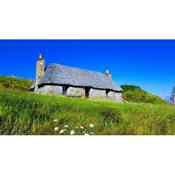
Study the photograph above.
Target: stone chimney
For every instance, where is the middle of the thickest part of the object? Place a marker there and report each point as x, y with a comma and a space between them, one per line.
108, 74
40, 68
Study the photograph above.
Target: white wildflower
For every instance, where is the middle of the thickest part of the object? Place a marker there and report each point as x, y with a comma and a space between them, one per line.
86, 134
62, 131
56, 128
72, 132
91, 133
55, 120
81, 127
91, 125
66, 126
77, 127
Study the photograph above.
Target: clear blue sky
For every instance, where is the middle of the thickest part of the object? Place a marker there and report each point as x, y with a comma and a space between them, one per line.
146, 63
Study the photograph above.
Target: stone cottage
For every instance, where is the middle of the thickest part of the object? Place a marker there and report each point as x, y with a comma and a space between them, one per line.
58, 79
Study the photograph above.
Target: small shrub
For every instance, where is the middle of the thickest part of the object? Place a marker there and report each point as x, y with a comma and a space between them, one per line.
110, 116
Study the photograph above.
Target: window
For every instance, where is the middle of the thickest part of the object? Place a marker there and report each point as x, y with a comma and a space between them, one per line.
65, 89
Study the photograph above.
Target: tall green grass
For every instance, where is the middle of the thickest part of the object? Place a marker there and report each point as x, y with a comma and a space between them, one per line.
24, 113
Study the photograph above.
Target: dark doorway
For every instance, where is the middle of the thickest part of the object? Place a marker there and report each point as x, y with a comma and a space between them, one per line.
87, 89
65, 89
107, 91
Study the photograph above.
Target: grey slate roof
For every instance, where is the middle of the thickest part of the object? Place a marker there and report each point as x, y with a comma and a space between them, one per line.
65, 75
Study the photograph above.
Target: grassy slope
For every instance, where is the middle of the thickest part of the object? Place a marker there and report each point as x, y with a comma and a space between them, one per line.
136, 94
27, 113
22, 112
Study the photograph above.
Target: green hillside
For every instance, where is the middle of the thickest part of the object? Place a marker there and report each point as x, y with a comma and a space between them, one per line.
15, 83
137, 95
26, 113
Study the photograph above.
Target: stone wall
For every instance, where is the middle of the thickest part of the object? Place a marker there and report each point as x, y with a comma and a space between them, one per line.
75, 92
115, 96
95, 93
80, 92
49, 89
